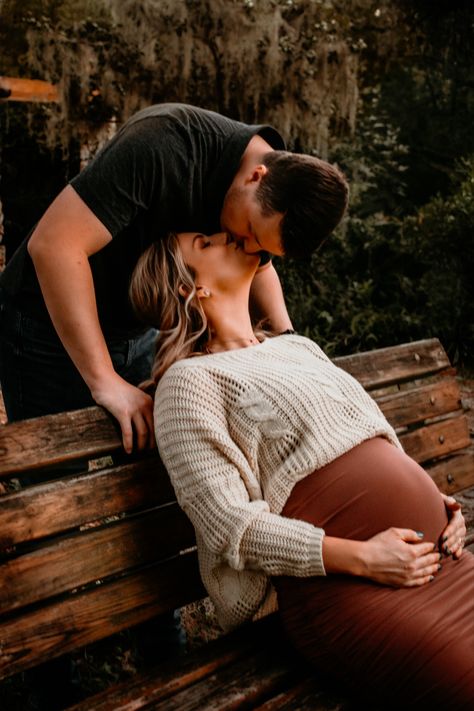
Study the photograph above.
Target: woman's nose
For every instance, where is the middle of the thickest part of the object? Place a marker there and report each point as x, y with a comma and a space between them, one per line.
221, 238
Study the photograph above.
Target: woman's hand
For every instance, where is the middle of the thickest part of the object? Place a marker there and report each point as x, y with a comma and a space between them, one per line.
397, 557
453, 536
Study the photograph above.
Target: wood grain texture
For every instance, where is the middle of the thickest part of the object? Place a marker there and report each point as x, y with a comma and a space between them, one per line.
240, 686
53, 439
93, 555
145, 690
50, 508
46, 633
409, 407
437, 439
378, 368
454, 473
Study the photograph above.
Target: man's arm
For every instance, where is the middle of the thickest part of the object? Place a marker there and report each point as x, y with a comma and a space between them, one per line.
267, 301
66, 236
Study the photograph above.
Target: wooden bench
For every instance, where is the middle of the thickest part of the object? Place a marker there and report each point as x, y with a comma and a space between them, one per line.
88, 554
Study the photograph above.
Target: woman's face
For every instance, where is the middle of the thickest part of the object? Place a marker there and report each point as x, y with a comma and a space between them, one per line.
219, 261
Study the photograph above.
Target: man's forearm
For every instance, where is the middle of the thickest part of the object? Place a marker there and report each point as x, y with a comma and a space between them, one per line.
67, 287
267, 300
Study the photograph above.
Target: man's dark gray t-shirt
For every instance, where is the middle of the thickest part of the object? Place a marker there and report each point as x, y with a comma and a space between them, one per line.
168, 168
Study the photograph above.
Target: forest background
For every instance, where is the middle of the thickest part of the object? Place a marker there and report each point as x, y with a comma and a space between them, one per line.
385, 89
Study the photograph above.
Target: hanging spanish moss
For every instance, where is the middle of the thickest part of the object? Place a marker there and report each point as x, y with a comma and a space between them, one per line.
293, 64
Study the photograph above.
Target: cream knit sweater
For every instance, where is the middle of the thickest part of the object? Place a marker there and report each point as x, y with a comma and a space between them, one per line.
236, 431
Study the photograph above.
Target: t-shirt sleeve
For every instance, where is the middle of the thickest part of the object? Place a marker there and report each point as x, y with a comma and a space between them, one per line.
210, 475
125, 176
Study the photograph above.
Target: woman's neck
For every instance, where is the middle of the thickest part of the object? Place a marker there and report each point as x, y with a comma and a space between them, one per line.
231, 328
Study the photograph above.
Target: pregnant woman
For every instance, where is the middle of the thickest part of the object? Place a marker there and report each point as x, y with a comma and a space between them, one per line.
299, 491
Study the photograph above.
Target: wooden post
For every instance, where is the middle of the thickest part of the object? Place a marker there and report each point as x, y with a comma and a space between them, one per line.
15, 89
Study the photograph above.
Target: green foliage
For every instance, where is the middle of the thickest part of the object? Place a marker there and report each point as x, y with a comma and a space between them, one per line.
384, 279
440, 237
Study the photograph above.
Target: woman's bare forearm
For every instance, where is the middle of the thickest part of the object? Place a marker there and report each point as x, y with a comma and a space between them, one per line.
396, 557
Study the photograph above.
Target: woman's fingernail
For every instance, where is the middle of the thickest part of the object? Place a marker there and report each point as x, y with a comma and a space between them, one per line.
447, 551
420, 534
431, 578
440, 567
445, 538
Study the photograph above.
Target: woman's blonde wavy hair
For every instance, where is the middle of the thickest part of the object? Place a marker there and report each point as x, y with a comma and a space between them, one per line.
157, 280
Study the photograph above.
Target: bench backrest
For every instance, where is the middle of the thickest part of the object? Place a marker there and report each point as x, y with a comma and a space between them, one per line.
89, 553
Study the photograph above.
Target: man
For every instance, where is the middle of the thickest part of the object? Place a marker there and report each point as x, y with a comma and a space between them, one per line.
69, 336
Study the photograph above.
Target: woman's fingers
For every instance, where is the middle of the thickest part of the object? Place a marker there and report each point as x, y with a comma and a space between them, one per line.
452, 539
398, 557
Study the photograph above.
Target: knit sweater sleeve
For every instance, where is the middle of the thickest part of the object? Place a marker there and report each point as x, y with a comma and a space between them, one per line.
212, 479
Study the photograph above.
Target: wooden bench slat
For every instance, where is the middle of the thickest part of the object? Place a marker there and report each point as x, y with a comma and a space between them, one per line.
411, 406
437, 440
305, 696
53, 439
454, 473
50, 632
146, 689
79, 560
240, 686
56, 506
384, 366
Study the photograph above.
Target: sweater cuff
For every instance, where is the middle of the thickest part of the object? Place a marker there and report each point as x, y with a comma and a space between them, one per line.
316, 552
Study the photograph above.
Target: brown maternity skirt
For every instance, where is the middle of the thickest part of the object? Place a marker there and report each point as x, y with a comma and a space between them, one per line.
400, 647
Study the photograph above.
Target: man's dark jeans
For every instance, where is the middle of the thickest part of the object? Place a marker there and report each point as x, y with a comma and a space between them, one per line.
38, 377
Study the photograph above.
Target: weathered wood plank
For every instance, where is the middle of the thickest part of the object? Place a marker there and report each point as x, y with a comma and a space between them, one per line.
57, 506
437, 439
143, 691
305, 696
52, 439
384, 366
95, 554
239, 686
454, 473
50, 632
411, 406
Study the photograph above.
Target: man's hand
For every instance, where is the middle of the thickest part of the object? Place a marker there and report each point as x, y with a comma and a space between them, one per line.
453, 536
132, 408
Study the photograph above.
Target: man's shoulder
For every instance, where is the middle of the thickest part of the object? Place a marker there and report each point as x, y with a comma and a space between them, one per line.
191, 119
188, 115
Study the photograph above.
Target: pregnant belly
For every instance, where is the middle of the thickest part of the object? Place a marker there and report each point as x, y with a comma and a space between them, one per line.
368, 489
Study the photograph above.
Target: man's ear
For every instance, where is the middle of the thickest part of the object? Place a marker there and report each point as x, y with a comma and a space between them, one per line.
257, 173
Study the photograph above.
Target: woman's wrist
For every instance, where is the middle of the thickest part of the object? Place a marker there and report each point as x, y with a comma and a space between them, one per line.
341, 555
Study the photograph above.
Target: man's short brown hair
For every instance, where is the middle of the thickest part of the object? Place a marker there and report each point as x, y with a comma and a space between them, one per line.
312, 195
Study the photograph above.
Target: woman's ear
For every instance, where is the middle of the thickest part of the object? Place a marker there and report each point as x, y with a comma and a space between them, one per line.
203, 292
